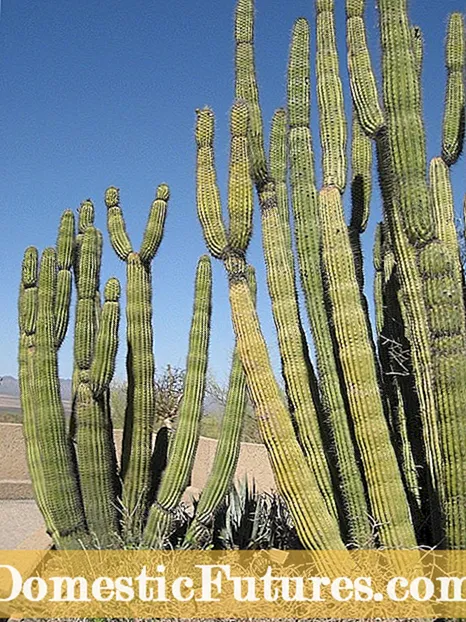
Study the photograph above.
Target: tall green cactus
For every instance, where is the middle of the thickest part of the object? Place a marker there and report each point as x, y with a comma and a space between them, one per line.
55, 479
387, 497
95, 347
227, 452
184, 444
295, 480
425, 266
359, 441
308, 242
140, 407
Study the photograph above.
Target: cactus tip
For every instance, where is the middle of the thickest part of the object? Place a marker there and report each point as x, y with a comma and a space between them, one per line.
112, 290
204, 126
163, 192
112, 197
301, 25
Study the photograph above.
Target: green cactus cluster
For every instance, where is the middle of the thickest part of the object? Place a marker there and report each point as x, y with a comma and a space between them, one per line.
89, 496
368, 446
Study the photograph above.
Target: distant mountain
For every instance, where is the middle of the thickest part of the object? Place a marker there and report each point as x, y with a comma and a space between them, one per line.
10, 386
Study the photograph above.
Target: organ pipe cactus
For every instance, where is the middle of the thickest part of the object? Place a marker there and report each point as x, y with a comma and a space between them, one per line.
140, 406
308, 242
295, 479
55, 480
184, 444
82, 502
227, 452
296, 365
95, 348
426, 267
368, 451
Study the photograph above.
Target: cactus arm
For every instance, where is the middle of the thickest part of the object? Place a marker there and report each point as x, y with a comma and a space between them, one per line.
278, 160
65, 247
185, 442
97, 467
441, 196
155, 224
363, 88
246, 87
436, 264
28, 292
26, 376
293, 348
405, 129
225, 460
93, 428
85, 328
308, 242
362, 78
227, 452
296, 365
140, 407
116, 225
333, 135
103, 362
445, 313
207, 190
316, 527
59, 471
294, 356
455, 100
385, 488
240, 206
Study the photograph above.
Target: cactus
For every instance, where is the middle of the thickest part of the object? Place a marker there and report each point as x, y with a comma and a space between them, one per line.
295, 480
372, 435
330, 99
140, 407
55, 480
385, 489
361, 190
308, 242
455, 98
184, 444
227, 452
426, 267
95, 350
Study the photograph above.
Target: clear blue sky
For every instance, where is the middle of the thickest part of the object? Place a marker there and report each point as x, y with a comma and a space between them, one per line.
99, 93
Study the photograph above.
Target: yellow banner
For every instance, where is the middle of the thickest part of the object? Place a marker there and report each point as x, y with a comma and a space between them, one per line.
233, 584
